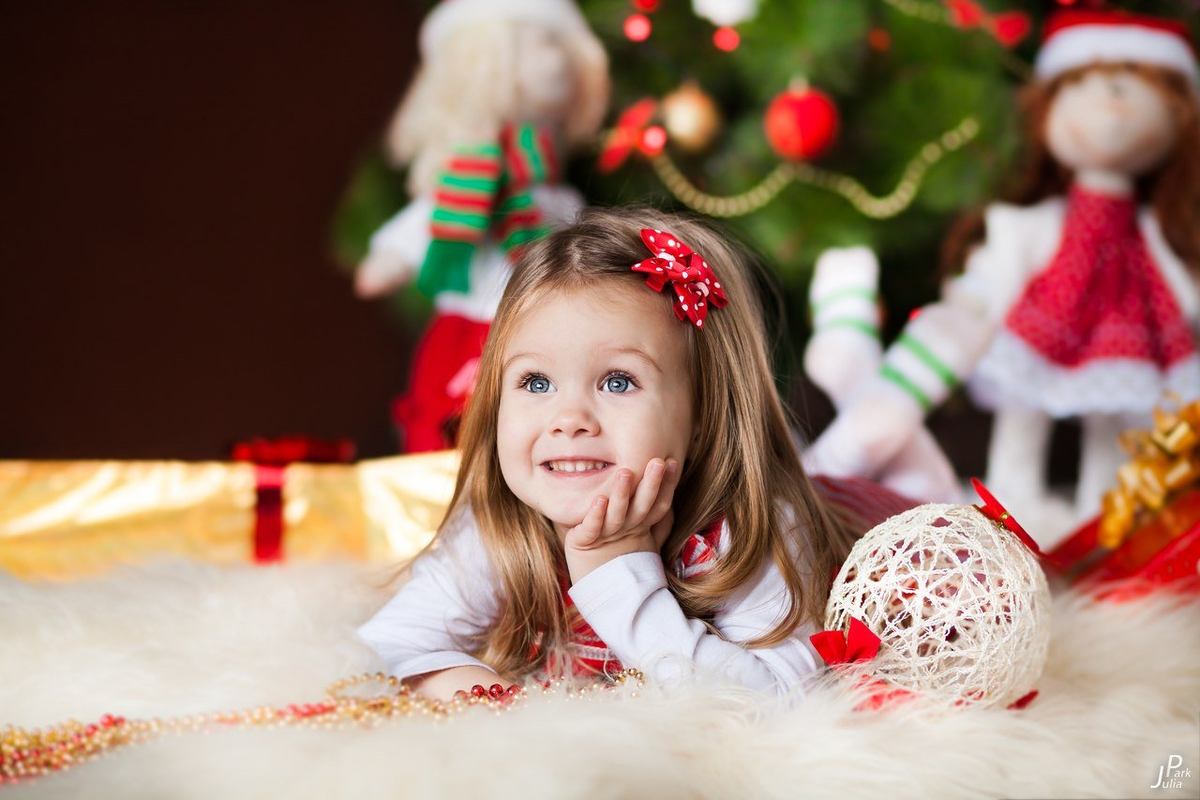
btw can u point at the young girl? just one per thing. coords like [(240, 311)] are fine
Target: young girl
[(629, 494)]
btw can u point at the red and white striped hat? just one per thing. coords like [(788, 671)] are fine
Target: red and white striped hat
[(450, 15), (1076, 38)]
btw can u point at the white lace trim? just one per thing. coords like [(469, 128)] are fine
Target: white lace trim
[(1012, 374)]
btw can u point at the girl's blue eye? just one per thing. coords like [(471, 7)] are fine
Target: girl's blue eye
[(618, 383), (538, 384)]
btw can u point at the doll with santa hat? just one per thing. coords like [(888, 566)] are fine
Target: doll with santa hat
[(504, 89), (1079, 299)]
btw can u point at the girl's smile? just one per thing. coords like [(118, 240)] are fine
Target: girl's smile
[(593, 383), (576, 467)]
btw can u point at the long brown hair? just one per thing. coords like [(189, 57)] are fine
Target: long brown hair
[(1172, 188), (745, 465)]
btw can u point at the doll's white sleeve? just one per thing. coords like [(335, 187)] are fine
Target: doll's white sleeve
[(441, 613), (628, 604), (1020, 241), (406, 235)]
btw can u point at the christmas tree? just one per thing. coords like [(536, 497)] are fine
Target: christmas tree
[(801, 124)]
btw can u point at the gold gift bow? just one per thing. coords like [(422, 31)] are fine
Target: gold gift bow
[(1165, 460)]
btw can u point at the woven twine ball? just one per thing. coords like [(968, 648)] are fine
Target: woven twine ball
[(959, 603)]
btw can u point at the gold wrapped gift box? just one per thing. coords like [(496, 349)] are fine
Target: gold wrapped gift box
[(61, 519)]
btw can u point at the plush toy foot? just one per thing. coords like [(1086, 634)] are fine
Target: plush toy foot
[(922, 471), (876, 425), (844, 348)]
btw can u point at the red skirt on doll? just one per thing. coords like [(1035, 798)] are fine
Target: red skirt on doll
[(442, 378)]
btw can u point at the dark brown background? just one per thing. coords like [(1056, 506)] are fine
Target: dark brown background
[(169, 172)]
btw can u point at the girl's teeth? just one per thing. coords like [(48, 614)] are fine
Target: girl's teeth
[(576, 466)]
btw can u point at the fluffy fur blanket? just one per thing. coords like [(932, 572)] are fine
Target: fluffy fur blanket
[(1120, 697)]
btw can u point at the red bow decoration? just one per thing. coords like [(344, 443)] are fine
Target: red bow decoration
[(992, 509), (1009, 28), (627, 135), (836, 647), (693, 282)]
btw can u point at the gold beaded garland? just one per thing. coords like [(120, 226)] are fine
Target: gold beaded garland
[(26, 754), (888, 205)]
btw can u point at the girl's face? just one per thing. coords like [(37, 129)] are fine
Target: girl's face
[(1110, 120), (591, 383)]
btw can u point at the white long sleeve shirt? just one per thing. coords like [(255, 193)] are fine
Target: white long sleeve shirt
[(452, 598)]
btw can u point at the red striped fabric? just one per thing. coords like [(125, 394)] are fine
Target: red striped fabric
[(518, 170), (588, 652), (548, 149), (470, 166), (458, 199), (453, 233)]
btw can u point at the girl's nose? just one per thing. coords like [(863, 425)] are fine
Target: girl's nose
[(573, 417)]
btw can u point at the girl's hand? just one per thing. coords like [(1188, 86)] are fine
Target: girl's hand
[(634, 519), (442, 685)]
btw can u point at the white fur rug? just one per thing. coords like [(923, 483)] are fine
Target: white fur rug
[(1121, 695)]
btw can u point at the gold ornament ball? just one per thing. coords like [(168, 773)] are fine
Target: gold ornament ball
[(691, 118)]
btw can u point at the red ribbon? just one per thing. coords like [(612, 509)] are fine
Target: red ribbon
[(694, 284), (836, 647), (268, 513), (284, 450), (270, 457), (992, 509)]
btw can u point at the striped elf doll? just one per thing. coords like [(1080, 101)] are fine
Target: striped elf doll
[(504, 89)]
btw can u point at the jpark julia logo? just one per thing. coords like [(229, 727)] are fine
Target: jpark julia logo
[(1172, 773)]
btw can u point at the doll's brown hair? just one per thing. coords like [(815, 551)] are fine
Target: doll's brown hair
[(1172, 188), (749, 472)]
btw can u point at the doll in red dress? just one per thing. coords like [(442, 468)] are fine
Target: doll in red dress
[(1080, 301)]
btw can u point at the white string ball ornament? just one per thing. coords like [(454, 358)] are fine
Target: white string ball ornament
[(960, 605)]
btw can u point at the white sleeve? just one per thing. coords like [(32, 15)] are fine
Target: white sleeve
[(442, 611), (628, 604), (406, 235), (1020, 241)]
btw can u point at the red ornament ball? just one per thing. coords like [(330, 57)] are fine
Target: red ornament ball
[(801, 123), (637, 27), (726, 39)]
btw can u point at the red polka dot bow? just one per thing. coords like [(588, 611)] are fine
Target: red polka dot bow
[(692, 281)]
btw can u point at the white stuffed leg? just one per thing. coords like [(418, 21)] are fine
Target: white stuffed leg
[(1100, 457), (844, 348), (1016, 471)]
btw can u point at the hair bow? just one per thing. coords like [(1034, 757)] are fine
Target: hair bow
[(695, 285), (992, 509)]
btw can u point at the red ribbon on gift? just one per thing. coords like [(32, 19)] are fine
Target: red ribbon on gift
[(270, 457), (268, 513), (836, 647)]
